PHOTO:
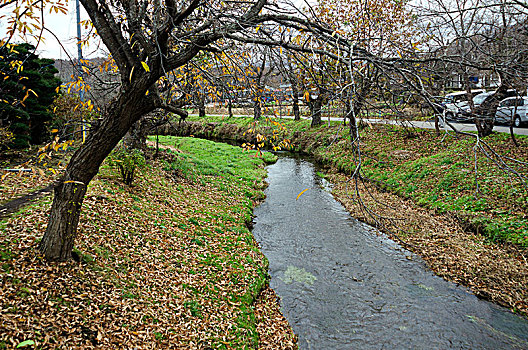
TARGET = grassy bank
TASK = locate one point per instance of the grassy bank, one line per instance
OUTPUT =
(425, 188)
(166, 263)
(436, 172)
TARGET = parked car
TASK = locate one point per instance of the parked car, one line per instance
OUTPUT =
(512, 108)
(454, 103)
(479, 99)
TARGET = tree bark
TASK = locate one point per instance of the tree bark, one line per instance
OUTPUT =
(485, 113)
(230, 107)
(61, 232)
(316, 105)
(295, 101)
(136, 137)
(57, 243)
(257, 107)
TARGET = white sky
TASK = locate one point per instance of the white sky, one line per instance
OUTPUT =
(64, 27)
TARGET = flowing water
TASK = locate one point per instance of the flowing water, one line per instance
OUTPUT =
(344, 286)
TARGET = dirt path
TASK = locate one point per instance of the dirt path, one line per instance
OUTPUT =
(17, 203)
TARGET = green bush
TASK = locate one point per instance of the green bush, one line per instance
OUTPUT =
(126, 161)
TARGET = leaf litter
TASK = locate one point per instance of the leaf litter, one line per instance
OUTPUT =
(166, 263)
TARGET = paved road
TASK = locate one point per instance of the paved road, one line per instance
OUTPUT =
(416, 124)
(458, 126)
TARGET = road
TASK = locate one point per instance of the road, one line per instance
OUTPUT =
(458, 126)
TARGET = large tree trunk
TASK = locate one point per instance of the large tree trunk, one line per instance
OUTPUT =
(57, 243)
(61, 232)
(316, 105)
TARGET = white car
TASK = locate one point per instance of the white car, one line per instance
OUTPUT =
(479, 99)
(455, 103)
(512, 108)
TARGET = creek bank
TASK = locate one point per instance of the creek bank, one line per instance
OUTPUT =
(452, 245)
(160, 267)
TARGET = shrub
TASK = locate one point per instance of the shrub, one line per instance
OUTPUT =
(126, 161)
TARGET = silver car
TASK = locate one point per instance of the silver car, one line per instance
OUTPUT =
(512, 108)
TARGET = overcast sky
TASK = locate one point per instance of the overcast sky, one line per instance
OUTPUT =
(64, 27)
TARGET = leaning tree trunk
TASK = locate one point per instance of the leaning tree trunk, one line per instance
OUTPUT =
(61, 232)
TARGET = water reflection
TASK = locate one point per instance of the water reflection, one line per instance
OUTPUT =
(345, 287)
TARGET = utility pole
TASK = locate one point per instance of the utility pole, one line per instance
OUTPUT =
(80, 57)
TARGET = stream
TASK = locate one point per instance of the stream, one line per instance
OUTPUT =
(344, 285)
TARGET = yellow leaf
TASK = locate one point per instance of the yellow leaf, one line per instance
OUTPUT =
(54, 131)
(145, 66)
(300, 194)
(130, 77)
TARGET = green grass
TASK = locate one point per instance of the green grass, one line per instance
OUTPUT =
(232, 170)
(435, 172)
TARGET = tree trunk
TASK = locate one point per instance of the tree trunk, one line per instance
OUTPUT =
(485, 113)
(57, 243)
(295, 101)
(484, 126)
(315, 108)
(257, 109)
(230, 107)
(201, 110)
(136, 137)
(353, 128)
(61, 232)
